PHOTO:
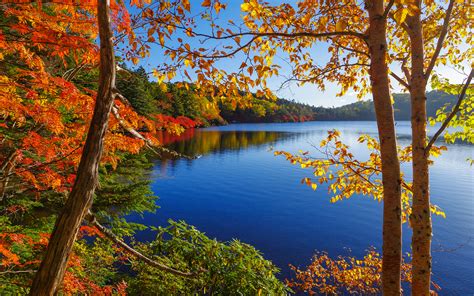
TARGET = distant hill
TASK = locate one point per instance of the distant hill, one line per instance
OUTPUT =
(364, 110)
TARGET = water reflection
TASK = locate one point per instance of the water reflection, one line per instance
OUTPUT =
(196, 142)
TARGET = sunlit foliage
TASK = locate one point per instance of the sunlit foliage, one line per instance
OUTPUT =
(345, 275)
(346, 175)
(462, 123)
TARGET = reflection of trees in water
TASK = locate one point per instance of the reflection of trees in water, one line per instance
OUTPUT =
(198, 142)
(194, 142)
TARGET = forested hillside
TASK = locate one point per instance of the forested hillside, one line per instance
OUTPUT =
(281, 110)
(176, 103)
(182, 106)
(364, 110)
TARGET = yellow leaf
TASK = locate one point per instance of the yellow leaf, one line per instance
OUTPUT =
(217, 7)
(245, 7)
(401, 15)
(206, 3)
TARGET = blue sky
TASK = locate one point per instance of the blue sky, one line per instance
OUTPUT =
(308, 93)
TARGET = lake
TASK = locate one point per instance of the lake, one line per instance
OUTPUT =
(239, 189)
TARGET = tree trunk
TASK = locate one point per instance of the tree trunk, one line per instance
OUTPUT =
(53, 266)
(5, 172)
(421, 217)
(392, 224)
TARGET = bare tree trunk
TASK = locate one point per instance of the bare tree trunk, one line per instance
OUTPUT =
(421, 217)
(392, 224)
(5, 172)
(53, 266)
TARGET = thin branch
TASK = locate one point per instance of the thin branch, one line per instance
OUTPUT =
(455, 110)
(93, 221)
(400, 80)
(17, 271)
(43, 164)
(324, 72)
(69, 74)
(272, 34)
(387, 9)
(307, 34)
(364, 53)
(442, 36)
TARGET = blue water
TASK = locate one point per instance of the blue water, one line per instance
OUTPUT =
(238, 189)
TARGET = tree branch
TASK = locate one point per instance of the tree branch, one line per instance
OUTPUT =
(442, 36)
(455, 110)
(387, 9)
(304, 34)
(17, 271)
(400, 80)
(137, 135)
(273, 34)
(93, 221)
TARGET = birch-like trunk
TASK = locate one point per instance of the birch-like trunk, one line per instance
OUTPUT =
(421, 217)
(392, 225)
(51, 272)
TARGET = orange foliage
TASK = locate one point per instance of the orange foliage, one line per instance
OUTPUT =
(42, 104)
(75, 280)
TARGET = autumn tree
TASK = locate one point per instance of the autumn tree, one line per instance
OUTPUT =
(434, 35)
(363, 40)
(48, 38)
(79, 202)
(43, 113)
(53, 265)
(44, 110)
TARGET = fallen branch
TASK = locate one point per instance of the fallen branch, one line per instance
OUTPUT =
(93, 221)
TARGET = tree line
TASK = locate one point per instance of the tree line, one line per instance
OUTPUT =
(364, 110)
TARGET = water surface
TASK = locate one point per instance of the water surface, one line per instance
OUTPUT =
(238, 189)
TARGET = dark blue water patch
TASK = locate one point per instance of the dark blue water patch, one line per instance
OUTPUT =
(239, 189)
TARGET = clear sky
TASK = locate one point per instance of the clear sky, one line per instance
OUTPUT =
(306, 94)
